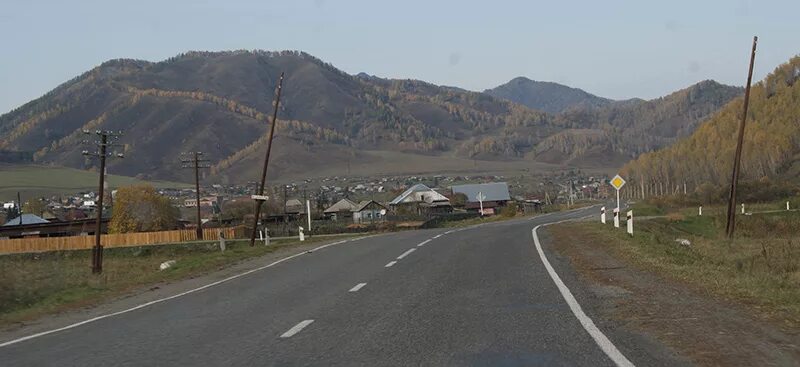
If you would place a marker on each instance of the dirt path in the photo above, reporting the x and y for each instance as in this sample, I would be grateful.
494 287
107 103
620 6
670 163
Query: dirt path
706 330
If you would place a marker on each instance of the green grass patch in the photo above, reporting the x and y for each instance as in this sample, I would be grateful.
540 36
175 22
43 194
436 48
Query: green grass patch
38 181
35 284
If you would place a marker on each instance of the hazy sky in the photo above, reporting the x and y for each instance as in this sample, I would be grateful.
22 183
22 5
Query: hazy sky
615 49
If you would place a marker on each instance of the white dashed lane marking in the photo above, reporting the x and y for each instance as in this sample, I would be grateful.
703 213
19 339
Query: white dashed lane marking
389 265
409 251
296 329
357 287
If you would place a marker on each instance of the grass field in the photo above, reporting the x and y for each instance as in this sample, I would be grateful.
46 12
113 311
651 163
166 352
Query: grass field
38 181
759 268
32 285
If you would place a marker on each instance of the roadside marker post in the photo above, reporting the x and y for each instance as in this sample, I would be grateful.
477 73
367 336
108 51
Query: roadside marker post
308 211
302 236
603 215
616 218
630 222
742 208
787 205
700 211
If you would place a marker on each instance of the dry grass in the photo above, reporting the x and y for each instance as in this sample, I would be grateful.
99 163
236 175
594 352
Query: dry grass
760 267
35 284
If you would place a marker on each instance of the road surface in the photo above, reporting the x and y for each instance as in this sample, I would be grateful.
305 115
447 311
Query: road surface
479 296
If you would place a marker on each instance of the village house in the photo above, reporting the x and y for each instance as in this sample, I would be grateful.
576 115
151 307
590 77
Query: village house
369 211
343 209
490 196
421 200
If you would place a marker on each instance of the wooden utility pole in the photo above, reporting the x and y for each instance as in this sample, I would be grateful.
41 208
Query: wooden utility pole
731 225
260 192
102 153
195 162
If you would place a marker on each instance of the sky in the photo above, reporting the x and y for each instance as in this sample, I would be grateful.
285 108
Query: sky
613 48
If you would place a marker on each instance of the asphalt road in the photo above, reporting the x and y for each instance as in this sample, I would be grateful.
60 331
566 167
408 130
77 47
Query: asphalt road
479 296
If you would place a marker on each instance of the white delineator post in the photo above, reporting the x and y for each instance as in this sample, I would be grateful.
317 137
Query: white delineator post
266 236
787 205
308 211
742 208
603 215
700 211
630 222
616 217
302 236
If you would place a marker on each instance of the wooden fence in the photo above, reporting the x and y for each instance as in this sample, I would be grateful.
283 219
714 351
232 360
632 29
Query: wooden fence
42 244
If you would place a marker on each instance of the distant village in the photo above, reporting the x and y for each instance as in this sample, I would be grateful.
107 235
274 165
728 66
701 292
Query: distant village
334 203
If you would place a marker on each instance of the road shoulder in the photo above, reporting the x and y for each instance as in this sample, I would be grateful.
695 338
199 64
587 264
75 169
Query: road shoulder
705 330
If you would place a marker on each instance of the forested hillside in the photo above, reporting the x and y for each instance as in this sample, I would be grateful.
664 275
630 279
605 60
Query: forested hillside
545 96
218 102
704 159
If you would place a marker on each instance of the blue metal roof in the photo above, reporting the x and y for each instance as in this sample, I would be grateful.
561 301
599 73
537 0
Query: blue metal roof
26 219
495 191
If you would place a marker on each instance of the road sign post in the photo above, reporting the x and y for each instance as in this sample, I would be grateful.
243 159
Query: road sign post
617 182
481 197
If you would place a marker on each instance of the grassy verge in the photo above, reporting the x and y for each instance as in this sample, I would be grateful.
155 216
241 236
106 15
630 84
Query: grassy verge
760 267
32 285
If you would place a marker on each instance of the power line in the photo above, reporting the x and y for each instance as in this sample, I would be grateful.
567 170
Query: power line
195 162
107 139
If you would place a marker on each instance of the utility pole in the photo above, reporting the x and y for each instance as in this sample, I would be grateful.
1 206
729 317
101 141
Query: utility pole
19 208
102 153
731 225
260 192
195 162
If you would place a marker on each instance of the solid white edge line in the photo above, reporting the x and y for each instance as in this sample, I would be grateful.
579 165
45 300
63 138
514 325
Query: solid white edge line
389 265
423 243
357 287
406 253
602 341
296 329
143 305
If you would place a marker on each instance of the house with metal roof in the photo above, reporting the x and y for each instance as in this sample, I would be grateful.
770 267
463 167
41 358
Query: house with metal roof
492 195
420 199
26 219
342 209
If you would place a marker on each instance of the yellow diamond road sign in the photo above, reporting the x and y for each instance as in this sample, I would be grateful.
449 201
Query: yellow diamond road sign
617 182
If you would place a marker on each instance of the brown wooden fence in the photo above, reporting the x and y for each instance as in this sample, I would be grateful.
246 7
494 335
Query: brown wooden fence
42 244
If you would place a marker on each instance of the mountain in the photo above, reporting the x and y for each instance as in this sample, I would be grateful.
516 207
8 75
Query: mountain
771 148
622 130
545 96
218 103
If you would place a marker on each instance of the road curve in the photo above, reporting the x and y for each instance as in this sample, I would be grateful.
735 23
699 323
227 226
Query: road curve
477 296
